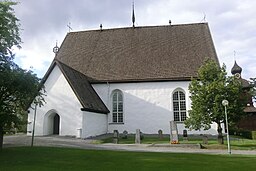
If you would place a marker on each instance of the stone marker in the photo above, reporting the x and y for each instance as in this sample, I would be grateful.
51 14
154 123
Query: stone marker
205 139
174 132
115 137
141 136
125 134
160 134
137 136
79 133
185 135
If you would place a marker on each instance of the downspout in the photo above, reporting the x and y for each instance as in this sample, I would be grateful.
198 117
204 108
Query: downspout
108 94
108 100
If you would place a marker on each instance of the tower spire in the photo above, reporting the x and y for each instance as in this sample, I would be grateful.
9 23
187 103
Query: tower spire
234 55
236 69
133 15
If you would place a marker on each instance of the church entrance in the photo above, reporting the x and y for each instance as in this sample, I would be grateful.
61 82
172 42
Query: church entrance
56 124
52 123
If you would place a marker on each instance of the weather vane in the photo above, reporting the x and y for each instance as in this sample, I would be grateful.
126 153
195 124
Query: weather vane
133 15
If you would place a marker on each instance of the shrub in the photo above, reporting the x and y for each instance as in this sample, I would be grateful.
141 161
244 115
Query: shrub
254 135
242 133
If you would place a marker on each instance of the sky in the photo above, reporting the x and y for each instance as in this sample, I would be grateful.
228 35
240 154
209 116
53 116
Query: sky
44 22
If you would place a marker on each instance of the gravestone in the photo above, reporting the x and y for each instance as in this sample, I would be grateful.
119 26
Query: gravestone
141 136
160 134
137 136
185 135
174 132
205 139
115 136
125 134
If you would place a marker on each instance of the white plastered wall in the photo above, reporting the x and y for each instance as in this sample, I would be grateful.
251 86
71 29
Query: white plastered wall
147 106
60 99
94 124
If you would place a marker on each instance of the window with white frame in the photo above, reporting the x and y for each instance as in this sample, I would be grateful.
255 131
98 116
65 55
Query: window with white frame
117 106
179 106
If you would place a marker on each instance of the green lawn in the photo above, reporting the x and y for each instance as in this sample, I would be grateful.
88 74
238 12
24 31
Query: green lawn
46 158
237 143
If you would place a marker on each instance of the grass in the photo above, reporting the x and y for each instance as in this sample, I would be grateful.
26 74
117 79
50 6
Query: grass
49 158
237 143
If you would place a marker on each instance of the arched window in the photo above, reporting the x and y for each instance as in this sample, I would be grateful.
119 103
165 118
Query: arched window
117 106
179 106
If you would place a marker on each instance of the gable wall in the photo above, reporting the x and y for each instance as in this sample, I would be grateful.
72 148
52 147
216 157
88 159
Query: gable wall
62 100
147 106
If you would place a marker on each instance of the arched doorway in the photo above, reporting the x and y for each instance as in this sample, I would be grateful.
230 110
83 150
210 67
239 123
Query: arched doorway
51 123
56 124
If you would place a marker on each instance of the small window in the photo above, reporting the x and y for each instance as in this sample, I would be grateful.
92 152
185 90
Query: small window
179 106
117 107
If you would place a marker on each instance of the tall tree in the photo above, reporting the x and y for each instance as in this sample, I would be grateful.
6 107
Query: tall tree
253 84
18 87
9 28
207 92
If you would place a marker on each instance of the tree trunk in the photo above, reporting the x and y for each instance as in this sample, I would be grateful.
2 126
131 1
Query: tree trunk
1 137
220 136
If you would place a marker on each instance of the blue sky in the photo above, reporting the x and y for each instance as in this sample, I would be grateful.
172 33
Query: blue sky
43 22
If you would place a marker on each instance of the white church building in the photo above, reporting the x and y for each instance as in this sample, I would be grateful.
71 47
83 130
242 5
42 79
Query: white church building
123 79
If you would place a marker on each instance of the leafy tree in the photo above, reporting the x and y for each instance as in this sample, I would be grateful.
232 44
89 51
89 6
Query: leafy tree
207 92
9 28
18 87
253 84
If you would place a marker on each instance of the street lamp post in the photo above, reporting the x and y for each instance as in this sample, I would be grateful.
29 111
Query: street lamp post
34 123
225 104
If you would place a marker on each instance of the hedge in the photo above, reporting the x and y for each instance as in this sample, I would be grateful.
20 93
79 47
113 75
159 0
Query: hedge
243 133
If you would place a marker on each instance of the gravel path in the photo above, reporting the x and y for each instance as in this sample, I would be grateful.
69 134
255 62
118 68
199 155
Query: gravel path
58 141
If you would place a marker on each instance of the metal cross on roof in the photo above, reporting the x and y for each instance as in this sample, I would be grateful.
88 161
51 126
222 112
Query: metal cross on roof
234 55
69 27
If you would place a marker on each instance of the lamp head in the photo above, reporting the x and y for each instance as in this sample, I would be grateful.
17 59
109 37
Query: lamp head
224 102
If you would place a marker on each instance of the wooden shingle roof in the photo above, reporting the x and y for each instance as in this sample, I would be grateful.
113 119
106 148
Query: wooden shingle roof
84 91
80 85
151 53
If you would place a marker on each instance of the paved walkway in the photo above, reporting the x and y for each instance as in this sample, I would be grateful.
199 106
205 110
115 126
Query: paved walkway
58 141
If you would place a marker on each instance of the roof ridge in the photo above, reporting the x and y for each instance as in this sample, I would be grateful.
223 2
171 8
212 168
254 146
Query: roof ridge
139 27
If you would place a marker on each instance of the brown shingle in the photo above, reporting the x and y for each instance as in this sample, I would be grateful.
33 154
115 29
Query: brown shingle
250 109
83 90
80 85
139 54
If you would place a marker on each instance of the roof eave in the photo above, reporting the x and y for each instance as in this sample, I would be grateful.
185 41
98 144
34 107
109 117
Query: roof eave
143 80
78 96
95 111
